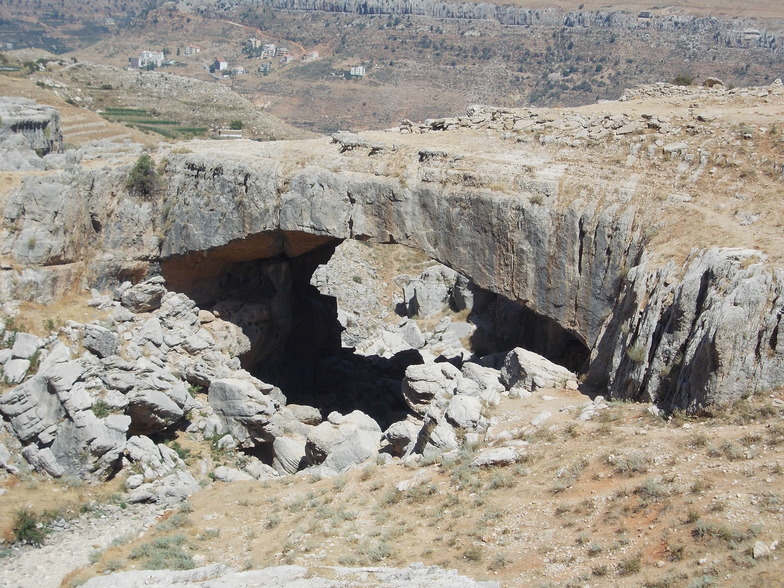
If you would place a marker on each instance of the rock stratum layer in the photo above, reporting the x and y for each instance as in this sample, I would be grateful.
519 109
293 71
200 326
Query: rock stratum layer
558 211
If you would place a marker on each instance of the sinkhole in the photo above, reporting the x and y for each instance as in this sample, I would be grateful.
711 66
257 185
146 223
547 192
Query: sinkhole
336 325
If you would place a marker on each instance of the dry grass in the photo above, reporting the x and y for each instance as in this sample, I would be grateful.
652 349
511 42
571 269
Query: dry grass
567 515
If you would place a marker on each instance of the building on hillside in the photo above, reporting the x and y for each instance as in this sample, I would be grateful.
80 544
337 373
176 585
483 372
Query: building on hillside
192 50
146 60
230 133
357 71
286 59
281 51
220 64
265 68
238 71
267 50
253 43
645 14
310 56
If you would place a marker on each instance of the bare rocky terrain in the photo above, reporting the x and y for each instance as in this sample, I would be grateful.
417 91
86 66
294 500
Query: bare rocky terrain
492 345
431 60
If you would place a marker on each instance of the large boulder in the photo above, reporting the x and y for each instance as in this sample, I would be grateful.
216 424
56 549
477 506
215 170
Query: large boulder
430 293
243 409
465 412
153 411
100 340
145 296
481 381
424 382
523 368
289 454
343 441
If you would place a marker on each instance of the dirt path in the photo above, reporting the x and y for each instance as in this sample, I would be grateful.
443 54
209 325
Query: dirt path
72 544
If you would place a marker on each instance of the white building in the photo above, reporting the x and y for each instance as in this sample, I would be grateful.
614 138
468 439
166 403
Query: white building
357 71
267 50
146 59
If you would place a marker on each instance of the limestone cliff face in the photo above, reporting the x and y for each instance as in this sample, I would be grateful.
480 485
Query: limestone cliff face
683 336
567 266
741 33
705 332
39 124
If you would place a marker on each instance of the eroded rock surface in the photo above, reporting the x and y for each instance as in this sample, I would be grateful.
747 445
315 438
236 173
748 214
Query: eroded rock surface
579 260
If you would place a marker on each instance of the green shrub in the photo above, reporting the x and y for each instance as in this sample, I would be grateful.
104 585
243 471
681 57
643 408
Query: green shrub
27 528
683 80
143 178
163 553
101 409
629 566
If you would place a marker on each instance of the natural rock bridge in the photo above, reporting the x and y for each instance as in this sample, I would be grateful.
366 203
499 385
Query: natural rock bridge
578 263
507 215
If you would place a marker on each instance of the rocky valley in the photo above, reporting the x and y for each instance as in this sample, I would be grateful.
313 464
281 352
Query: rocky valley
537 345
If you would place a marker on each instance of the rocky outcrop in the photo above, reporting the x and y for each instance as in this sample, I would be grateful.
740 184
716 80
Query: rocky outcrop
741 33
86 416
39 125
578 261
678 332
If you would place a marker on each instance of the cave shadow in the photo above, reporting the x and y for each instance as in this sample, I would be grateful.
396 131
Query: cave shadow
503 324
295 335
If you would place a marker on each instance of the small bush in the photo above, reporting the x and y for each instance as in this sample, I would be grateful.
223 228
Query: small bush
163 553
633 463
706 530
629 566
473 553
101 409
683 80
651 490
702 582
143 178
28 528
637 353
272 522
499 561
176 521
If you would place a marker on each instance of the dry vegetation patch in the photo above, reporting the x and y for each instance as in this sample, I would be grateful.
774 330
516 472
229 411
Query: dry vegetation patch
628 498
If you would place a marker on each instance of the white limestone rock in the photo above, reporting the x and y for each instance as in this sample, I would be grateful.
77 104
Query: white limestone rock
145 296
426 382
530 370
498 456
100 340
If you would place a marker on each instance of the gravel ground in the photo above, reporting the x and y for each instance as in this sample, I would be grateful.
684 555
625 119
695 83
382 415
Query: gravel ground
71 543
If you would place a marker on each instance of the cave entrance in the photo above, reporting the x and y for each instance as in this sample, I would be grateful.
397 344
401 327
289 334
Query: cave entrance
335 324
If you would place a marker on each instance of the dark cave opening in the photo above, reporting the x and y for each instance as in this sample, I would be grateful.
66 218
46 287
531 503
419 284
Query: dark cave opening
295 334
